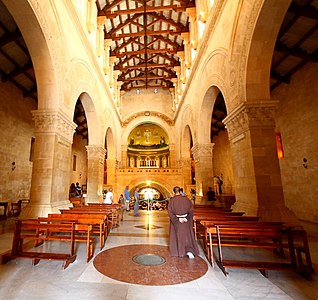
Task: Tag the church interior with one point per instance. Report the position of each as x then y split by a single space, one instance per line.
206 95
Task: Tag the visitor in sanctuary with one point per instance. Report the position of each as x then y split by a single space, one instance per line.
136 204
72 190
127 198
109 197
78 190
182 242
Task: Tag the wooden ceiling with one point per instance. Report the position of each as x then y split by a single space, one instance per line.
146 38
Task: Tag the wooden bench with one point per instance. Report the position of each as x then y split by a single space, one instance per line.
118 206
111 213
97 221
83 233
198 217
34 230
261 235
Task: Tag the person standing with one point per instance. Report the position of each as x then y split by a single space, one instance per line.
127 198
109 197
136 205
216 182
182 242
78 190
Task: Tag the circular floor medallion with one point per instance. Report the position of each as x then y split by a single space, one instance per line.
123 264
149 259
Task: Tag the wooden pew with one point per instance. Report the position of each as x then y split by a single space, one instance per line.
199 216
80 229
97 221
34 230
118 207
261 235
111 213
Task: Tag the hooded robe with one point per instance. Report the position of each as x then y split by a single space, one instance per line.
181 234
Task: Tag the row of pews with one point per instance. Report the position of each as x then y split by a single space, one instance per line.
223 231
77 224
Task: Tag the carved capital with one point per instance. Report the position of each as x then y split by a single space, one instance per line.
200 150
250 115
96 153
54 122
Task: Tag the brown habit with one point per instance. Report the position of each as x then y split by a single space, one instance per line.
181 234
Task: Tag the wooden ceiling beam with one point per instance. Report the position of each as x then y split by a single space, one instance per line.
308 11
168 21
296 51
144 51
122 25
146 77
143 33
276 76
9 37
176 8
17 71
110 6
149 65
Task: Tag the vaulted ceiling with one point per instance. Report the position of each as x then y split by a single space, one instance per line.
146 36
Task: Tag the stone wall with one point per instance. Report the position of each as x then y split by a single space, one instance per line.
160 102
222 162
17 130
79 150
297 121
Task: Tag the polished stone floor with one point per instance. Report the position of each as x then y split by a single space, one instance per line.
126 280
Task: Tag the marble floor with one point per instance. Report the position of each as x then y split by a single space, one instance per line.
104 278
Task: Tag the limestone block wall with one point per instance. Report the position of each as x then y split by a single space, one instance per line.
79 150
222 162
160 102
17 130
297 121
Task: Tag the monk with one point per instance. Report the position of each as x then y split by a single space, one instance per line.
182 242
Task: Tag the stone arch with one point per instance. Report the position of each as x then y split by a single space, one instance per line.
92 119
110 144
186 140
205 114
85 89
140 120
259 42
35 29
164 187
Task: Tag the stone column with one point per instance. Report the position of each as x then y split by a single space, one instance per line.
176 95
124 156
51 165
111 172
95 173
107 44
192 13
251 129
172 93
204 10
178 84
90 18
111 71
172 156
187 50
183 78
115 91
100 36
186 172
202 154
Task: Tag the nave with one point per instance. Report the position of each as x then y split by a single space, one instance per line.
144 234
